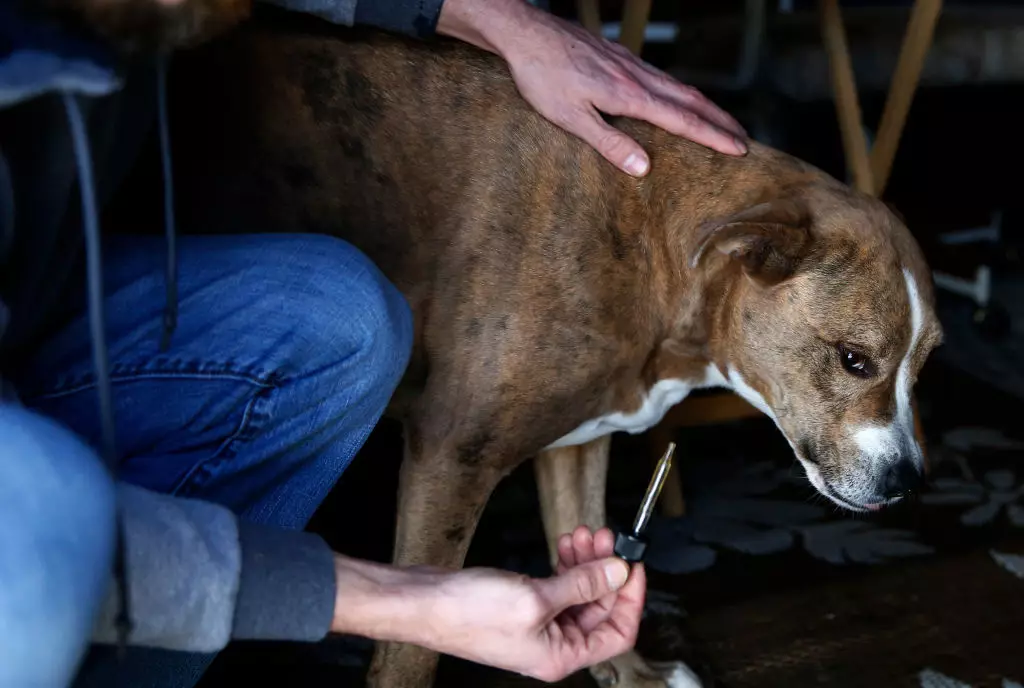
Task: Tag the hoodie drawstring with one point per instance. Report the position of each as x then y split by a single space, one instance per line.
97 317
171 307
100 354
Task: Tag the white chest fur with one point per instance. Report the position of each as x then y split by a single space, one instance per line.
656 402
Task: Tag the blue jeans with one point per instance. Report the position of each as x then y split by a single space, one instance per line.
286 353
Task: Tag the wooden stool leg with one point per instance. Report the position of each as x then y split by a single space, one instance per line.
913 53
855 144
589 15
634 24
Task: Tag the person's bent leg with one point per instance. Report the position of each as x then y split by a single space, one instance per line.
286 353
57 534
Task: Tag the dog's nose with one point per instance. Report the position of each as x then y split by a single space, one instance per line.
902 478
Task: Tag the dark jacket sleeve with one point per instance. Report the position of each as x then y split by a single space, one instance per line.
417 18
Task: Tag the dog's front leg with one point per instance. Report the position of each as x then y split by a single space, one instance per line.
571 485
440 499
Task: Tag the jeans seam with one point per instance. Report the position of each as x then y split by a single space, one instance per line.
263 382
249 425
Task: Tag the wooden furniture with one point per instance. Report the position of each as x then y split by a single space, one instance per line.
869 167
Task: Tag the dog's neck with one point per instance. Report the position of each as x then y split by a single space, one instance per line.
692 304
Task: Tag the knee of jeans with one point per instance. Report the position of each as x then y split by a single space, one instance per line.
392 343
389 337
365 308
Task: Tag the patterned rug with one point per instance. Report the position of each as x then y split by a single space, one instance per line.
761 584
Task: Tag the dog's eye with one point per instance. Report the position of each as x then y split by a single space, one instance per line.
855 363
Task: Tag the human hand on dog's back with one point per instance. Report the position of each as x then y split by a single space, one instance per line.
570 76
545 628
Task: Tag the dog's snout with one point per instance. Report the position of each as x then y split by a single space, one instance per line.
902 478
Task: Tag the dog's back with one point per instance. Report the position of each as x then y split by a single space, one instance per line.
425 157
509 236
304 127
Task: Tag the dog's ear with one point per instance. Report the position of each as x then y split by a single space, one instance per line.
769 239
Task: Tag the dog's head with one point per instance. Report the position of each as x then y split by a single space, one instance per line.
830 318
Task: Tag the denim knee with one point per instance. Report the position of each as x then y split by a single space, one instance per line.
359 304
57 523
389 348
348 338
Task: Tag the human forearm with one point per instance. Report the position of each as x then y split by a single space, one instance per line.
487 24
377 601
501 619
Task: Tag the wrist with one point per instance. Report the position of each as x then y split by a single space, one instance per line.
383 602
371 600
487 24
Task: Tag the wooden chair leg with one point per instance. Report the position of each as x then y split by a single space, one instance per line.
634 24
851 128
914 51
871 167
589 14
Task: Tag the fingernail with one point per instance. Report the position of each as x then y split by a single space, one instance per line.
616 572
636 165
741 146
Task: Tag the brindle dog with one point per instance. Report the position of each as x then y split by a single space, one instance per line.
556 299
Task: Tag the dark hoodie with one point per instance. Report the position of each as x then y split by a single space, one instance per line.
65 99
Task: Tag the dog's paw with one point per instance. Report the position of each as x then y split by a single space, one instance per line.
633 671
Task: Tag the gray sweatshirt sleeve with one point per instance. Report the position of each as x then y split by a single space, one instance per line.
410 17
198 577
